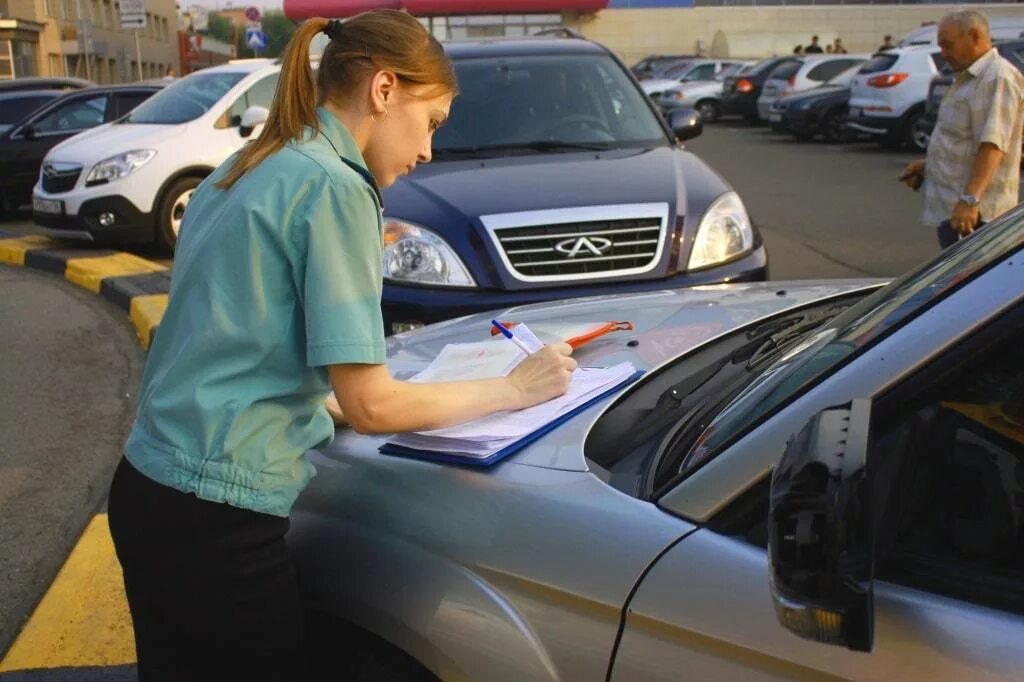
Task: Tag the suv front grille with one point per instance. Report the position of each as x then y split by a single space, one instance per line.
60 177
585 243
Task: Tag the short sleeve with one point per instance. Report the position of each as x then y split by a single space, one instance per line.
341 282
1002 101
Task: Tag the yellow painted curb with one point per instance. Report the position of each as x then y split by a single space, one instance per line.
89 273
13 250
146 313
83 620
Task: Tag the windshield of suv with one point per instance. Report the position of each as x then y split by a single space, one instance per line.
821 350
186 99
543 103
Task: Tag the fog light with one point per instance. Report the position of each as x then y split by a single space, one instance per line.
400 327
107 218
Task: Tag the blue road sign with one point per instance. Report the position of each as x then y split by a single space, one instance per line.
255 39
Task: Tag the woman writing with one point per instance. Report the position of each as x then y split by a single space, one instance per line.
274 302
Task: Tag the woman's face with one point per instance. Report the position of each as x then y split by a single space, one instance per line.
402 138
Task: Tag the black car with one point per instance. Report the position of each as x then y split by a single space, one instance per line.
16 105
24 145
1011 50
818 111
651 64
740 92
33 83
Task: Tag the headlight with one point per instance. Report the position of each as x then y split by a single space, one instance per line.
415 254
119 166
723 234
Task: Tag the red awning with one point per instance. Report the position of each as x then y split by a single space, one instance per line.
303 9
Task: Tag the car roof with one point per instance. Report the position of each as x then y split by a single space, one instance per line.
43 83
246 66
513 47
26 94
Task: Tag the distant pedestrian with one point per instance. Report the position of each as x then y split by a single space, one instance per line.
814 47
829 49
169 74
971 174
887 44
838 47
799 49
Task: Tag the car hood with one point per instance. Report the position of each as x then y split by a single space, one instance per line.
109 139
658 84
666 325
821 91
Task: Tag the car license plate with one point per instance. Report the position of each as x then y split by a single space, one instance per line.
47 205
855 112
775 118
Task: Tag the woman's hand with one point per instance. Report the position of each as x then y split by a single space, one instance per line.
544 375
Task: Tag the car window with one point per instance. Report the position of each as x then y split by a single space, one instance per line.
124 102
78 114
729 70
952 443
879 63
829 70
16 108
844 78
704 72
585 99
261 94
785 71
186 99
938 61
768 65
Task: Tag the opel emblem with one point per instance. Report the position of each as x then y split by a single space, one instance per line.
49 171
594 246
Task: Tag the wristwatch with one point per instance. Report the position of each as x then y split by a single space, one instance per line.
970 200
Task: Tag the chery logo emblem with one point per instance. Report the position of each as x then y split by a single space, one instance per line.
594 246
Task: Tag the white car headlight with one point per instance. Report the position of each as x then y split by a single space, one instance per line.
119 166
415 254
724 233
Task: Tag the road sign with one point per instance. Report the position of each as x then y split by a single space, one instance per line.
252 14
133 13
255 39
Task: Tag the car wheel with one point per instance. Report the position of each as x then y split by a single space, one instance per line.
708 110
172 209
834 127
918 133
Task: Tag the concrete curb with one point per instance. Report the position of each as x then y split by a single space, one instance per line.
134 284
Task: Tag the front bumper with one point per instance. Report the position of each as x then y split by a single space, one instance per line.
740 104
425 305
130 226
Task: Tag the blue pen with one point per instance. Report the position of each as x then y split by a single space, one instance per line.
508 335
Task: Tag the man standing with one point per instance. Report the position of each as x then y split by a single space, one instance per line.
814 47
887 44
971 173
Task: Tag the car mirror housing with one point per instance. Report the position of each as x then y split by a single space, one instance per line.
686 124
254 116
821 546
29 132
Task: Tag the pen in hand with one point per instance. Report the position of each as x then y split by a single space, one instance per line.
507 333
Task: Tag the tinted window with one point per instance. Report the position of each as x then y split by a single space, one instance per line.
78 114
829 70
879 63
16 108
938 61
574 99
766 65
186 99
124 102
955 443
785 71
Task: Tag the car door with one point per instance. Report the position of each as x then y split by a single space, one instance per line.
949 588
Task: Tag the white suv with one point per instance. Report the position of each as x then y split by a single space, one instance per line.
888 94
130 180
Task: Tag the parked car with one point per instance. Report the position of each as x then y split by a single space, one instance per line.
704 96
23 147
741 92
35 83
647 66
1011 50
129 181
818 111
16 105
887 97
632 541
691 71
809 73
1003 28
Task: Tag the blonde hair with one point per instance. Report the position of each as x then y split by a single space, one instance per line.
379 40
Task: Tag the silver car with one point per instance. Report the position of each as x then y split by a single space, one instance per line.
631 542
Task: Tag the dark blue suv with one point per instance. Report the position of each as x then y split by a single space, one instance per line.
556 177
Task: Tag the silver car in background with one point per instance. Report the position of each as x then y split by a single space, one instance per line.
630 543
704 95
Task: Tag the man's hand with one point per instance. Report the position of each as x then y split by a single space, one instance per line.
965 218
913 175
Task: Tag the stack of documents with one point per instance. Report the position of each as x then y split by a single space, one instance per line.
488 439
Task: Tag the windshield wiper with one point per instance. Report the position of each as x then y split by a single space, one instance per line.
799 326
535 146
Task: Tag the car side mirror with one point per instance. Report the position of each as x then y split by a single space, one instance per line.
821 535
253 118
686 124
29 132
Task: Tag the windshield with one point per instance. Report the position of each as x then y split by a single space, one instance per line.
820 351
518 102
186 99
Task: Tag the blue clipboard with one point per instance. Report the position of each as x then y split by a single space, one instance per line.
512 448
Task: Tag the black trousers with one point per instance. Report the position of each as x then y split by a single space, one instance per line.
948 236
211 587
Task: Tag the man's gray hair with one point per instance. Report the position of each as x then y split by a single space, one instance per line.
967 19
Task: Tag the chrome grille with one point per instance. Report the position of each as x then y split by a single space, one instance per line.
600 242
60 177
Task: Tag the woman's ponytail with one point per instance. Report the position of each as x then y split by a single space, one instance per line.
294 105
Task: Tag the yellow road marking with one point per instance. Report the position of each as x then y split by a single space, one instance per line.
83 620
90 272
146 312
13 250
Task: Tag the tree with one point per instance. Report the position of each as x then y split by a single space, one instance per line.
220 28
279 30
